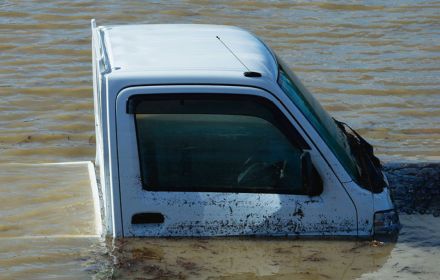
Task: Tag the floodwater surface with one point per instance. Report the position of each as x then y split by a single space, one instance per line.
375 66
244 258
47 221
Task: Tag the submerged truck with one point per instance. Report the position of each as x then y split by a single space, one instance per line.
202 130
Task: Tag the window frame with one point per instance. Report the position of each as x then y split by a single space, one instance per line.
133 106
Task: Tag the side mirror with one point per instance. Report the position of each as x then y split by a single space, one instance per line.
312 181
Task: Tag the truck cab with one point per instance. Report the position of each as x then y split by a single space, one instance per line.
201 130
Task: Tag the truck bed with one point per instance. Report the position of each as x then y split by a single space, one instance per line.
48 200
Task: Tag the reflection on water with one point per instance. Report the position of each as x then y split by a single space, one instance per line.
374 65
412 257
247 259
232 258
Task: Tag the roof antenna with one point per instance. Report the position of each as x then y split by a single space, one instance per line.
248 73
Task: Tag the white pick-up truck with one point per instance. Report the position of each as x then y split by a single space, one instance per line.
201 130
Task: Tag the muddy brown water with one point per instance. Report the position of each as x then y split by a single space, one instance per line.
375 66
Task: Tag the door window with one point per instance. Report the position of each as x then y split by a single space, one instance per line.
216 143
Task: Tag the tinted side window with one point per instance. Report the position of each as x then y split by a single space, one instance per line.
218 144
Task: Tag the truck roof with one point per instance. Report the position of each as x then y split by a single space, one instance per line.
184 48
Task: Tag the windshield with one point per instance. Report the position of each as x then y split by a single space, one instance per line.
319 118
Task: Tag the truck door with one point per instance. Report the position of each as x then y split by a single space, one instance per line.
220 160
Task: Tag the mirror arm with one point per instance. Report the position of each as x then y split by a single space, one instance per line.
312 181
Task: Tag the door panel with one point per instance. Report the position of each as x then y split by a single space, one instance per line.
223 213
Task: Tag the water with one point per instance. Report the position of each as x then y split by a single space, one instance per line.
375 66
47 225
410 258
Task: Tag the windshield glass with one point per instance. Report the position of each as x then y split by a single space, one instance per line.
319 118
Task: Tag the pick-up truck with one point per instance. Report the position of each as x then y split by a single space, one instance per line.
202 130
